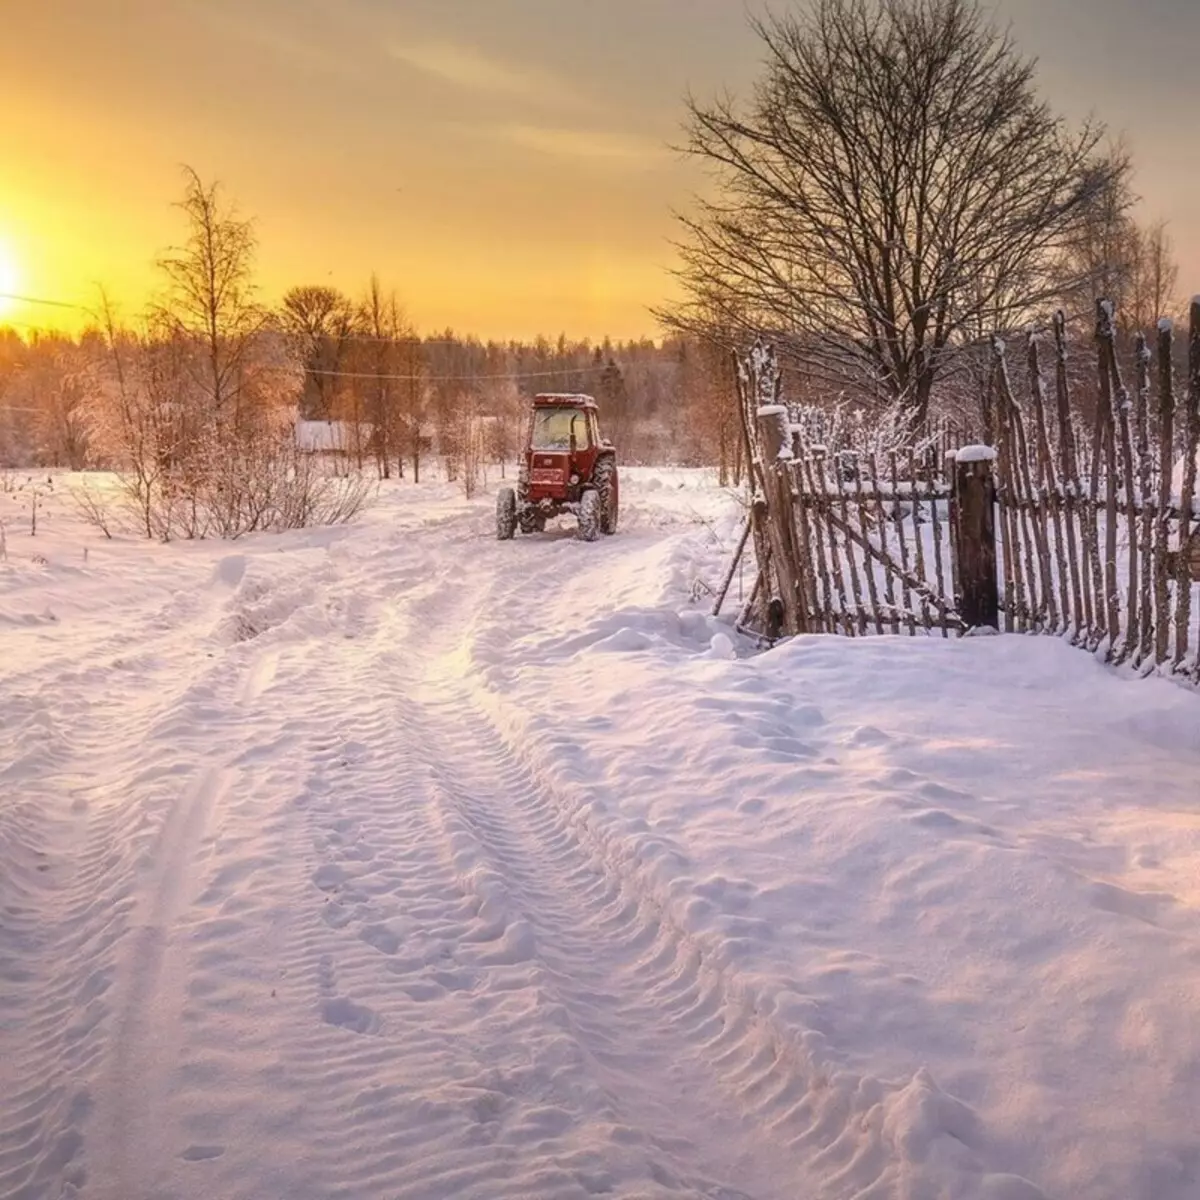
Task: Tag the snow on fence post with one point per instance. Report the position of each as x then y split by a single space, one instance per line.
775 438
974 526
767 432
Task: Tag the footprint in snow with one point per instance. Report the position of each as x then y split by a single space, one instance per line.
381 938
202 1153
329 877
347 1014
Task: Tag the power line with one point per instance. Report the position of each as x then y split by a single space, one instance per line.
399 340
466 340
474 377
41 300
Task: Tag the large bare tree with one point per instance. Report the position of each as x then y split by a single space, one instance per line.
894 185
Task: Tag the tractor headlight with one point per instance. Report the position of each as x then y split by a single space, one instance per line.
574 479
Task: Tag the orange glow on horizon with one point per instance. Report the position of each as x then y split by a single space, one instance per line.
10 278
509 177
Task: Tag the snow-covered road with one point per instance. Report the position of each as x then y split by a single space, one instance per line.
394 862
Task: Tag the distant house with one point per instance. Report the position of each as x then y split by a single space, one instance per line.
1177 475
332 439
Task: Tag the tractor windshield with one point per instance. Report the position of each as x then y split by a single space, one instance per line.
552 428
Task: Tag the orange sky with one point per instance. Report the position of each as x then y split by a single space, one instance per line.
502 163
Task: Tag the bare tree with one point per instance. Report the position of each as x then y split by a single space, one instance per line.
137 420
1130 264
412 367
895 180
197 410
321 322
504 411
211 303
704 419
1159 274
385 330
51 393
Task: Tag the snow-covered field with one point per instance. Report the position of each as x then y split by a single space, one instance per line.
393 862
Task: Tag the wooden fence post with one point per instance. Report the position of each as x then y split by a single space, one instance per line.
975 537
775 439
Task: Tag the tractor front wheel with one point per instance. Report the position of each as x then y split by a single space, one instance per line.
506 514
589 516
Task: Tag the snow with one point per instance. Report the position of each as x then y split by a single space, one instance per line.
974 454
390 860
1179 474
778 413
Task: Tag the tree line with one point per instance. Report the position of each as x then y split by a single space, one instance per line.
210 381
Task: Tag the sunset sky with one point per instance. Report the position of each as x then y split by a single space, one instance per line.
503 163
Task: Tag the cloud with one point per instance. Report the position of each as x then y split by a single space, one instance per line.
594 145
465 67
311 51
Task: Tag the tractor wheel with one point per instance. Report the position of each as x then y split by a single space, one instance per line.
589 516
608 489
506 514
531 521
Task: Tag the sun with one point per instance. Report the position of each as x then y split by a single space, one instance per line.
10 278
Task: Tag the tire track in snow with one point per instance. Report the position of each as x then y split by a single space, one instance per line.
443 866
261 1025
96 805
195 972
102 797
82 915
430 1054
145 1034
841 1135
633 992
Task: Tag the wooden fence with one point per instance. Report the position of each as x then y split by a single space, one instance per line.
1087 533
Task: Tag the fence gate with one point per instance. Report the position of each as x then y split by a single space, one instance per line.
1090 534
853 540
877 551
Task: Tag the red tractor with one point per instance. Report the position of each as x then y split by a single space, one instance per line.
566 467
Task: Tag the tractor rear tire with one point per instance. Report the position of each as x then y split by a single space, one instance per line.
506 514
589 516
608 489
